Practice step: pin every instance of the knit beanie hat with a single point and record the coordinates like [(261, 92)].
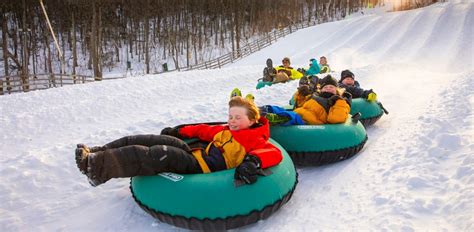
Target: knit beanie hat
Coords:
[(328, 80), (345, 74)]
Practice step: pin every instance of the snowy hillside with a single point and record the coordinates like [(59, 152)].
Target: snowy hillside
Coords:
[(415, 173)]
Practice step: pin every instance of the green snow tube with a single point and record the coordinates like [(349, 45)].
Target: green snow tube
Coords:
[(211, 201), (261, 84), (371, 112), (320, 144)]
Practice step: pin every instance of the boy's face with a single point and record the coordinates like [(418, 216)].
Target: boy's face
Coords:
[(348, 81), (322, 60), (329, 89), (238, 118), (286, 63)]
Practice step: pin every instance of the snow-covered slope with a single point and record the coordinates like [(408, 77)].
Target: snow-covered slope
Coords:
[(416, 171)]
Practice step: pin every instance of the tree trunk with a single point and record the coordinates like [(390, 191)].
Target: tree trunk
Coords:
[(34, 46), (147, 31), (130, 39), (232, 36), (4, 20), (15, 42), (24, 68), (49, 66), (188, 48), (237, 33), (222, 32), (94, 43), (99, 40), (74, 47)]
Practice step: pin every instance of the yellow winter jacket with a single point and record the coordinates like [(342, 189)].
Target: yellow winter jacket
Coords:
[(325, 69), (291, 72), (299, 99), (317, 111)]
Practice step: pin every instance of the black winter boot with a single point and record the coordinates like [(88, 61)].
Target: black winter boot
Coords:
[(94, 169), (137, 160)]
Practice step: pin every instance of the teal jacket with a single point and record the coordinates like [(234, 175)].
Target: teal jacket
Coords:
[(313, 68)]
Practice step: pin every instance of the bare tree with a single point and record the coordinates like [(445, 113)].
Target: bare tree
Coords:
[(94, 42)]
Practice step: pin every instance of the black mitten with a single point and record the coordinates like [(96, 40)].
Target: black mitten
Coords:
[(366, 93), (348, 97), (301, 70), (248, 170), (304, 90), (332, 100), (171, 131), (326, 94)]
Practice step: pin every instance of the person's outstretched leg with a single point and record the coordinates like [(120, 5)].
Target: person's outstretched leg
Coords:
[(148, 140), (139, 160)]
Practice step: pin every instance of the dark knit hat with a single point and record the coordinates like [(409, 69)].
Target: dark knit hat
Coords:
[(328, 80), (345, 74)]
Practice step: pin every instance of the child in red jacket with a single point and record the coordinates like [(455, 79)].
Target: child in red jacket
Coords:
[(242, 144)]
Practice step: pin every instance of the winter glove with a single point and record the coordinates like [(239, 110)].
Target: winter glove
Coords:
[(372, 97), (333, 99), (304, 90), (301, 70), (171, 131), (248, 170), (325, 94), (348, 97)]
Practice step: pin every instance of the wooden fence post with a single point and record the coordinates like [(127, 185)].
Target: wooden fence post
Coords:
[(35, 84)]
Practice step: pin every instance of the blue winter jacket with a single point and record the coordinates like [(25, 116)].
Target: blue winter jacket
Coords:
[(294, 118), (313, 68)]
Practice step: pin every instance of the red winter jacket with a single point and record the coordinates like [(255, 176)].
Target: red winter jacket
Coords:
[(228, 148)]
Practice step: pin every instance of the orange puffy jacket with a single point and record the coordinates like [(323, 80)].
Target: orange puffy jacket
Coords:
[(318, 111)]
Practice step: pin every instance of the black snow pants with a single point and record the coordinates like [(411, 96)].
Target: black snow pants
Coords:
[(142, 155)]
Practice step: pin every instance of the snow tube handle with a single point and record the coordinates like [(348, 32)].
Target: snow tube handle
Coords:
[(356, 117), (381, 106)]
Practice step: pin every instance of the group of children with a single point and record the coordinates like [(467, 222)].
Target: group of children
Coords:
[(241, 144), (317, 100), (285, 72)]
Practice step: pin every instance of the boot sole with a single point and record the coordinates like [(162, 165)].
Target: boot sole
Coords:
[(81, 160)]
